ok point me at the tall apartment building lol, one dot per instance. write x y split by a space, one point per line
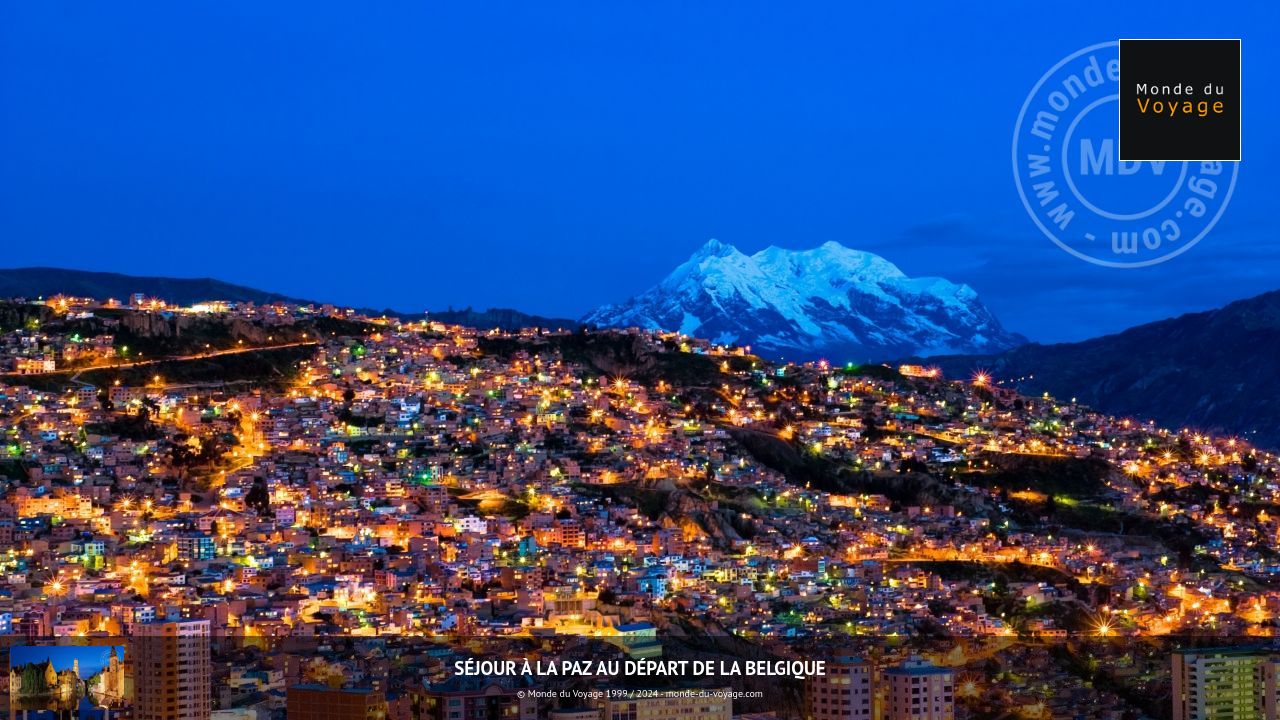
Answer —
842 693
676 704
1269 688
577 713
472 698
919 690
1224 684
171 670
320 702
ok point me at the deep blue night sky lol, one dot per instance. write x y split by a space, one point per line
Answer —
554 156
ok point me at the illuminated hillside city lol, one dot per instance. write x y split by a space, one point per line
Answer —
260 473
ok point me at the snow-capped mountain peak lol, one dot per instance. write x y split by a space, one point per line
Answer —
713 248
830 301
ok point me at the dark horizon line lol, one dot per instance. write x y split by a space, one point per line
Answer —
562 322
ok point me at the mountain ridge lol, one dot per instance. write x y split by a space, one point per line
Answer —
46 281
830 301
43 281
1213 370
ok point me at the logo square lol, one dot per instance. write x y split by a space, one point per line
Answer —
1179 100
